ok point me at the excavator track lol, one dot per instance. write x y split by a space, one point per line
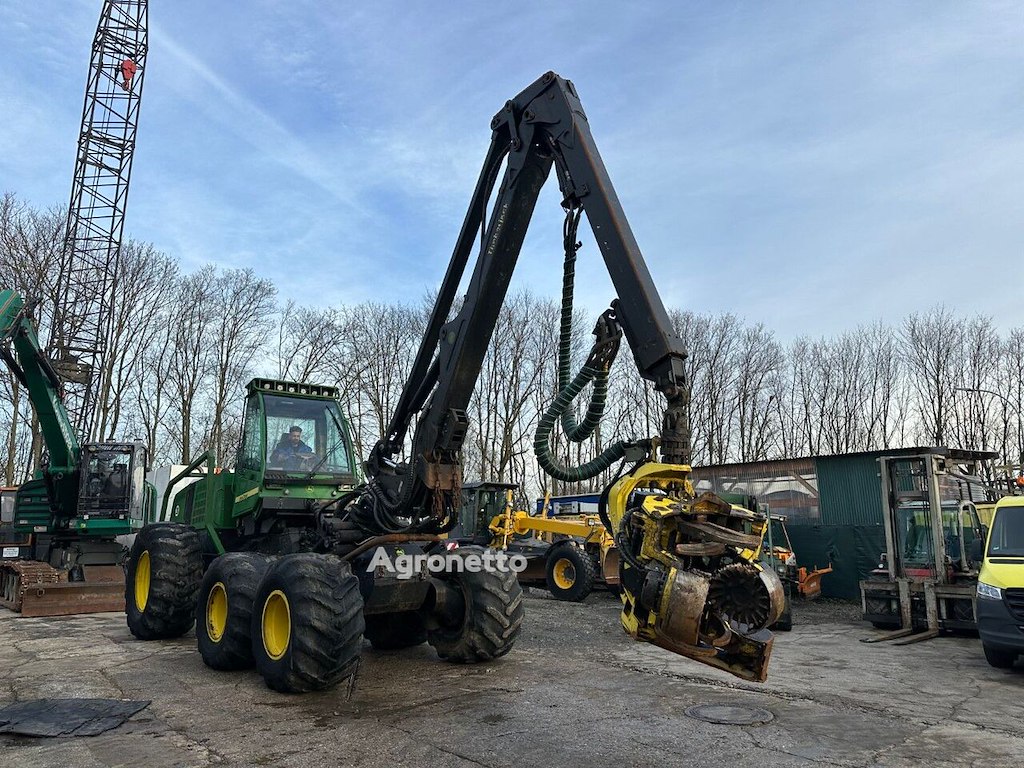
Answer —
32 588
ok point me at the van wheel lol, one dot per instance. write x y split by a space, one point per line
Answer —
999 658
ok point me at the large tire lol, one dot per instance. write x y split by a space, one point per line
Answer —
999 658
570 572
394 631
224 609
491 621
785 621
307 623
164 571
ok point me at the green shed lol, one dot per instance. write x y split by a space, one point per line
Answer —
832 505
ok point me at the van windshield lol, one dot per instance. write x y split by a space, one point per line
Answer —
1007 539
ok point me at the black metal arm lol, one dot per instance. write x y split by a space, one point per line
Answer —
543 126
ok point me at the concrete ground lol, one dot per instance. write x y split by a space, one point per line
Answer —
575 691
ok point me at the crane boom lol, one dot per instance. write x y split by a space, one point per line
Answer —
99 198
690 578
544 125
20 350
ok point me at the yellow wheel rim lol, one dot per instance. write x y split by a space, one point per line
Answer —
143 574
216 612
277 625
564 573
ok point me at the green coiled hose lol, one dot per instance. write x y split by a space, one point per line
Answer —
561 408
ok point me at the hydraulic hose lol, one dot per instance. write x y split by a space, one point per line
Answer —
542 437
576 433
595 371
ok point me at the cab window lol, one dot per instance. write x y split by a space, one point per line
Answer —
305 435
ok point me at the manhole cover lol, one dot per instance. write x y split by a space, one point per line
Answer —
730 714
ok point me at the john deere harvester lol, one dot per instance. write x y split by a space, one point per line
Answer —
262 561
301 555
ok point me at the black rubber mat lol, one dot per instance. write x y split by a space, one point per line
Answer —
66 717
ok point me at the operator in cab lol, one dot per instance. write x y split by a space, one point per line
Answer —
291 452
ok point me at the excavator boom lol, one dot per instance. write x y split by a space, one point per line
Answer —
83 497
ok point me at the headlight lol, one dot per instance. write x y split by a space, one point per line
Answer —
987 590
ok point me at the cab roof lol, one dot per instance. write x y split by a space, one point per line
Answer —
295 388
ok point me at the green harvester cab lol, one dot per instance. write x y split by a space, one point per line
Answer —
278 482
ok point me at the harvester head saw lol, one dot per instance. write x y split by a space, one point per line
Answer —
690 578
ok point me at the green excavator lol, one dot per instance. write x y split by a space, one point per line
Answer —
61 551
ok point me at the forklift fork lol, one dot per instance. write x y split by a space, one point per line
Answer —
906 634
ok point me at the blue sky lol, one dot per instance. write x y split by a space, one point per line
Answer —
811 166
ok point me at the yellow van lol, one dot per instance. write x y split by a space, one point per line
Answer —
1000 602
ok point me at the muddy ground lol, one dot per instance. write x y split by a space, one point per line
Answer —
575 691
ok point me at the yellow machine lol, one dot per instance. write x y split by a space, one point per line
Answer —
691 580
579 550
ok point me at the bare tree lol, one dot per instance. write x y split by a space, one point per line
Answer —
192 361
374 358
758 358
307 340
240 321
932 342
143 281
500 429
1012 374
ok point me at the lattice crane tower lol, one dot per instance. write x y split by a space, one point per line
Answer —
99 196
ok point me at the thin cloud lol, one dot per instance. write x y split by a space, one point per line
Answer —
252 124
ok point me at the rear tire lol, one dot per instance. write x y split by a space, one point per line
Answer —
878 607
224 609
570 572
307 623
164 570
394 631
492 618
999 658
785 621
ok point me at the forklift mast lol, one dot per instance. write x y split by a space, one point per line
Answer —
925 532
544 125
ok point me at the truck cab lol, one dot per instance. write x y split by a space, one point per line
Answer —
1000 600
113 483
111 499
